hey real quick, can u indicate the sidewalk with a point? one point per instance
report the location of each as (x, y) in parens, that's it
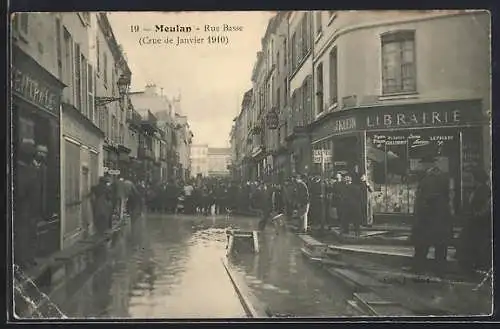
(379, 270)
(51, 273)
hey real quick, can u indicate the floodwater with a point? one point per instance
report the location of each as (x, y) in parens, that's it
(283, 280)
(171, 267)
(167, 269)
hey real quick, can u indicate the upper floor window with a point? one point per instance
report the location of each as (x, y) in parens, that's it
(85, 18)
(319, 23)
(20, 23)
(398, 62)
(98, 53)
(319, 89)
(105, 69)
(333, 77)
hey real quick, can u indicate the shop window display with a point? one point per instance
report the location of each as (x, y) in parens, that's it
(395, 168)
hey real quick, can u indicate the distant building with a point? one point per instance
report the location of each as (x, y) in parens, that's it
(219, 160)
(199, 160)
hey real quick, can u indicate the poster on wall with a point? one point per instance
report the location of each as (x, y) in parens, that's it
(471, 158)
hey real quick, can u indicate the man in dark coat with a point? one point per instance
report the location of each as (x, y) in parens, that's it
(265, 204)
(432, 224)
(25, 221)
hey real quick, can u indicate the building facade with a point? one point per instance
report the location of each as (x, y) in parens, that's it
(373, 92)
(396, 101)
(199, 160)
(219, 160)
(158, 147)
(36, 100)
(80, 51)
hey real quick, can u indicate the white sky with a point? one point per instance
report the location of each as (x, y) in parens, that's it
(210, 78)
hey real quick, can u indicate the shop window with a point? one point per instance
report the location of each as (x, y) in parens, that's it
(26, 129)
(394, 166)
(398, 62)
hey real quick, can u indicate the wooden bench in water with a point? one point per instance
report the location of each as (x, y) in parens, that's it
(238, 237)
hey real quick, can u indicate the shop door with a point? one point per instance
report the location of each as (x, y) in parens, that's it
(86, 220)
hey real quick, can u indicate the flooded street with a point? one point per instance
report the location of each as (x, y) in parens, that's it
(171, 267)
(166, 269)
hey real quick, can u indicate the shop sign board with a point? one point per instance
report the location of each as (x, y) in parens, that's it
(424, 115)
(35, 90)
(322, 156)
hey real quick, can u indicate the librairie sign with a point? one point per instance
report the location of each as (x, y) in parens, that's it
(414, 119)
(35, 90)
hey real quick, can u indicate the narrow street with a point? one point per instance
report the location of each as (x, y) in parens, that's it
(161, 271)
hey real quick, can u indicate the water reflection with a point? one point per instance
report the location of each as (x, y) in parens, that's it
(165, 268)
(281, 278)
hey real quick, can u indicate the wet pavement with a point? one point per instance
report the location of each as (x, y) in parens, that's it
(166, 269)
(171, 267)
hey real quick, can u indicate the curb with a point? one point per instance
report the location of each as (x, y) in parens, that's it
(252, 308)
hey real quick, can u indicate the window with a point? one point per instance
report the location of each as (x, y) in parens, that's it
(20, 23)
(68, 64)
(278, 64)
(85, 18)
(398, 62)
(394, 166)
(84, 86)
(293, 51)
(319, 22)
(113, 84)
(319, 89)
(114, 135)
(90, 91)
(285, 86)
(306, 100)
(333, 77)
(305, 37)
(59, 48)
(278, 100)
(105, 68)
(78, 80)
(285, 54)
(97, 46)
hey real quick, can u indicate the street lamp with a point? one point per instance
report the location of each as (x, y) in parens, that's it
(123, 84)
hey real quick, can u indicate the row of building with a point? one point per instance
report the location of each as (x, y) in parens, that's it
(369, 92)
(70, 95)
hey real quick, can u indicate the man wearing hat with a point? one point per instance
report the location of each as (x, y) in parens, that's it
(432, 224)
(29, 202)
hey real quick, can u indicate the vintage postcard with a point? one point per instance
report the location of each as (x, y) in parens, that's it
(232, 165)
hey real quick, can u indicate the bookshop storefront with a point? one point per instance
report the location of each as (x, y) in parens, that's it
(388, 144)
